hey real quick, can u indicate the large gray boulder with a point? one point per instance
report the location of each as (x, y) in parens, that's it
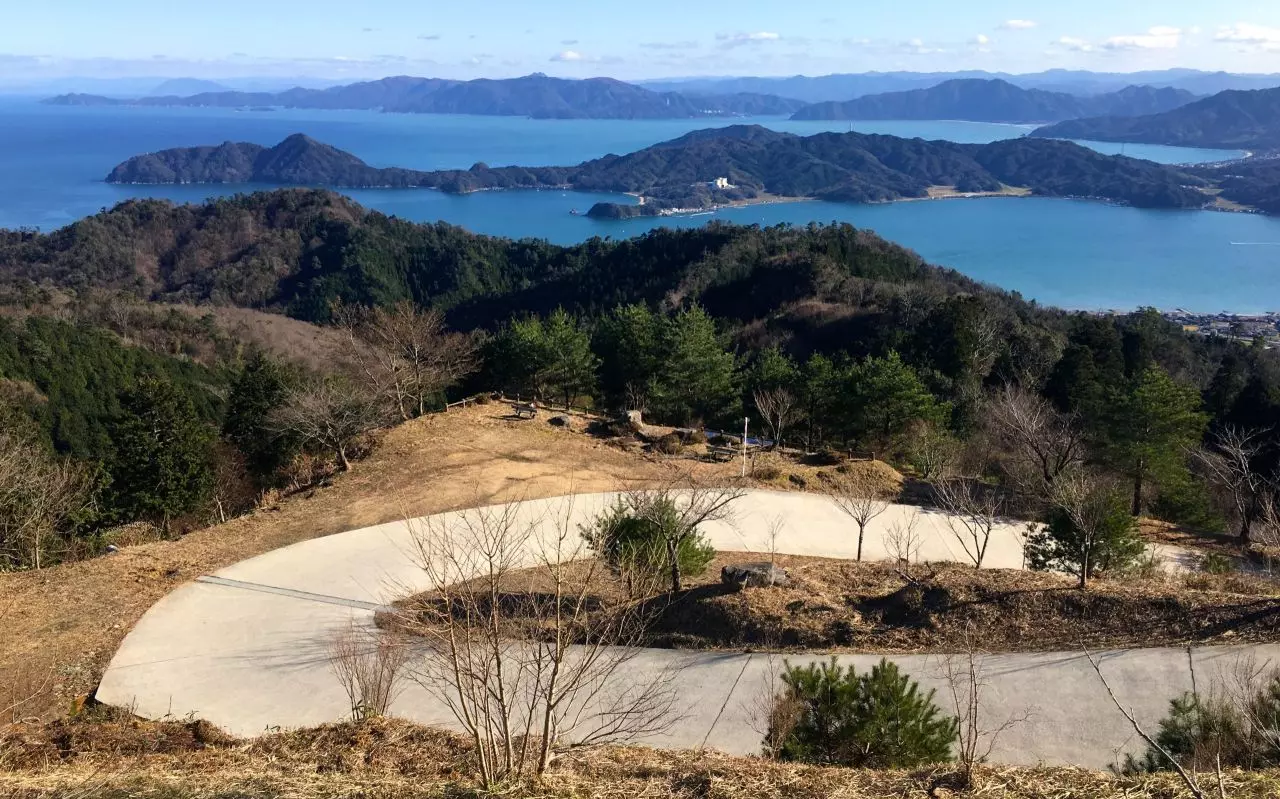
(753, 575)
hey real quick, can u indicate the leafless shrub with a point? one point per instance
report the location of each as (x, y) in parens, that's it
(40, 494)
(776, 525)
(966, 680)
(519, 700)
(973, 511)
(861, 497)
(331, 414)
(903, 539)
(404, 353)
(772, 715)
(370, 666)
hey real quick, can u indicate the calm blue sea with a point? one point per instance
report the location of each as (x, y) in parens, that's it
(1060, 252)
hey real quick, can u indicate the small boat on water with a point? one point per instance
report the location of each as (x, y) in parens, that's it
(574, 212)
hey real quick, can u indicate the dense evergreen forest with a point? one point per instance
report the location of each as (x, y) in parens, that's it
(864, 343)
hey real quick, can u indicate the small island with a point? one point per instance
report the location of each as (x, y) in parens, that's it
(738, 165)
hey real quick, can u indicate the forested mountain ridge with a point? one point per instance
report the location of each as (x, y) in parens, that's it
(683, 173)
(537, 96)
(1230, 120)
(298, 160)
(998, 101)
(301, 250)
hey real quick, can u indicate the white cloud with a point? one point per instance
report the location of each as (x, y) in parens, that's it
(738, 39)
(1161, 37)
(917, 46)
(1075, 44)
(1018, 24)
(568, 56)
(1249, 35)
(981, 38)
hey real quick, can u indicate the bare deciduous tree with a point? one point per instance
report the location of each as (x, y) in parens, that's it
(780, 409)
(861, 497)
(529, 672)
(1229, 462)
(40, 494)
(405, 354)
(331, 414)
(903, 539)
(972, 512)
(776, 525)
(369, 664)
(966, 678)
(1041, 442)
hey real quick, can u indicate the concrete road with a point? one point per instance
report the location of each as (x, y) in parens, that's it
(247, 647)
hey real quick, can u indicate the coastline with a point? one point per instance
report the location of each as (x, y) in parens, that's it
(1011, 192)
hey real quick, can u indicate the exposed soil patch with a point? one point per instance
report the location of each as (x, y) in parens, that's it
(835, 605)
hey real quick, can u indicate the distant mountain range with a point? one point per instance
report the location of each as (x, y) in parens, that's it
(998, 101)
(186, 86)
(838, 88)
(1229, 120)
(535, 96)
(723, 165)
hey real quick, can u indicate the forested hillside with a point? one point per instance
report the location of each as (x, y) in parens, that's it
(685, 173)
(867, 344)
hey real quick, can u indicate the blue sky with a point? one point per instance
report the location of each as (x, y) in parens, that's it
(655, 38)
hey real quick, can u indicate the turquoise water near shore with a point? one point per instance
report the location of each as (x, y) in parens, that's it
(1062, 252)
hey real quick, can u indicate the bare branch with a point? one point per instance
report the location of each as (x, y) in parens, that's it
(1187, 778)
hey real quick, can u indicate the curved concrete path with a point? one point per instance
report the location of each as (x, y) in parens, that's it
(246, 648)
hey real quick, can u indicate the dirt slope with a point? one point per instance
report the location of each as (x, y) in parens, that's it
(61, 625)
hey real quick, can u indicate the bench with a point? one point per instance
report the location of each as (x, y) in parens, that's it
(525, 409)
(723, 453)
(731, 451)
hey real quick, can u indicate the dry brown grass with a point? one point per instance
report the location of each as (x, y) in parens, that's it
(118, 758)
(71, 618)
(840, 605)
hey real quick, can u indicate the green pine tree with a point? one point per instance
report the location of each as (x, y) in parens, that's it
(628, 343)
(261, 387)
(697, 380)
(162, 461)
(882, 397)
(570, 365)
(1149, 428)
(880, 719)
(1096, 534)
